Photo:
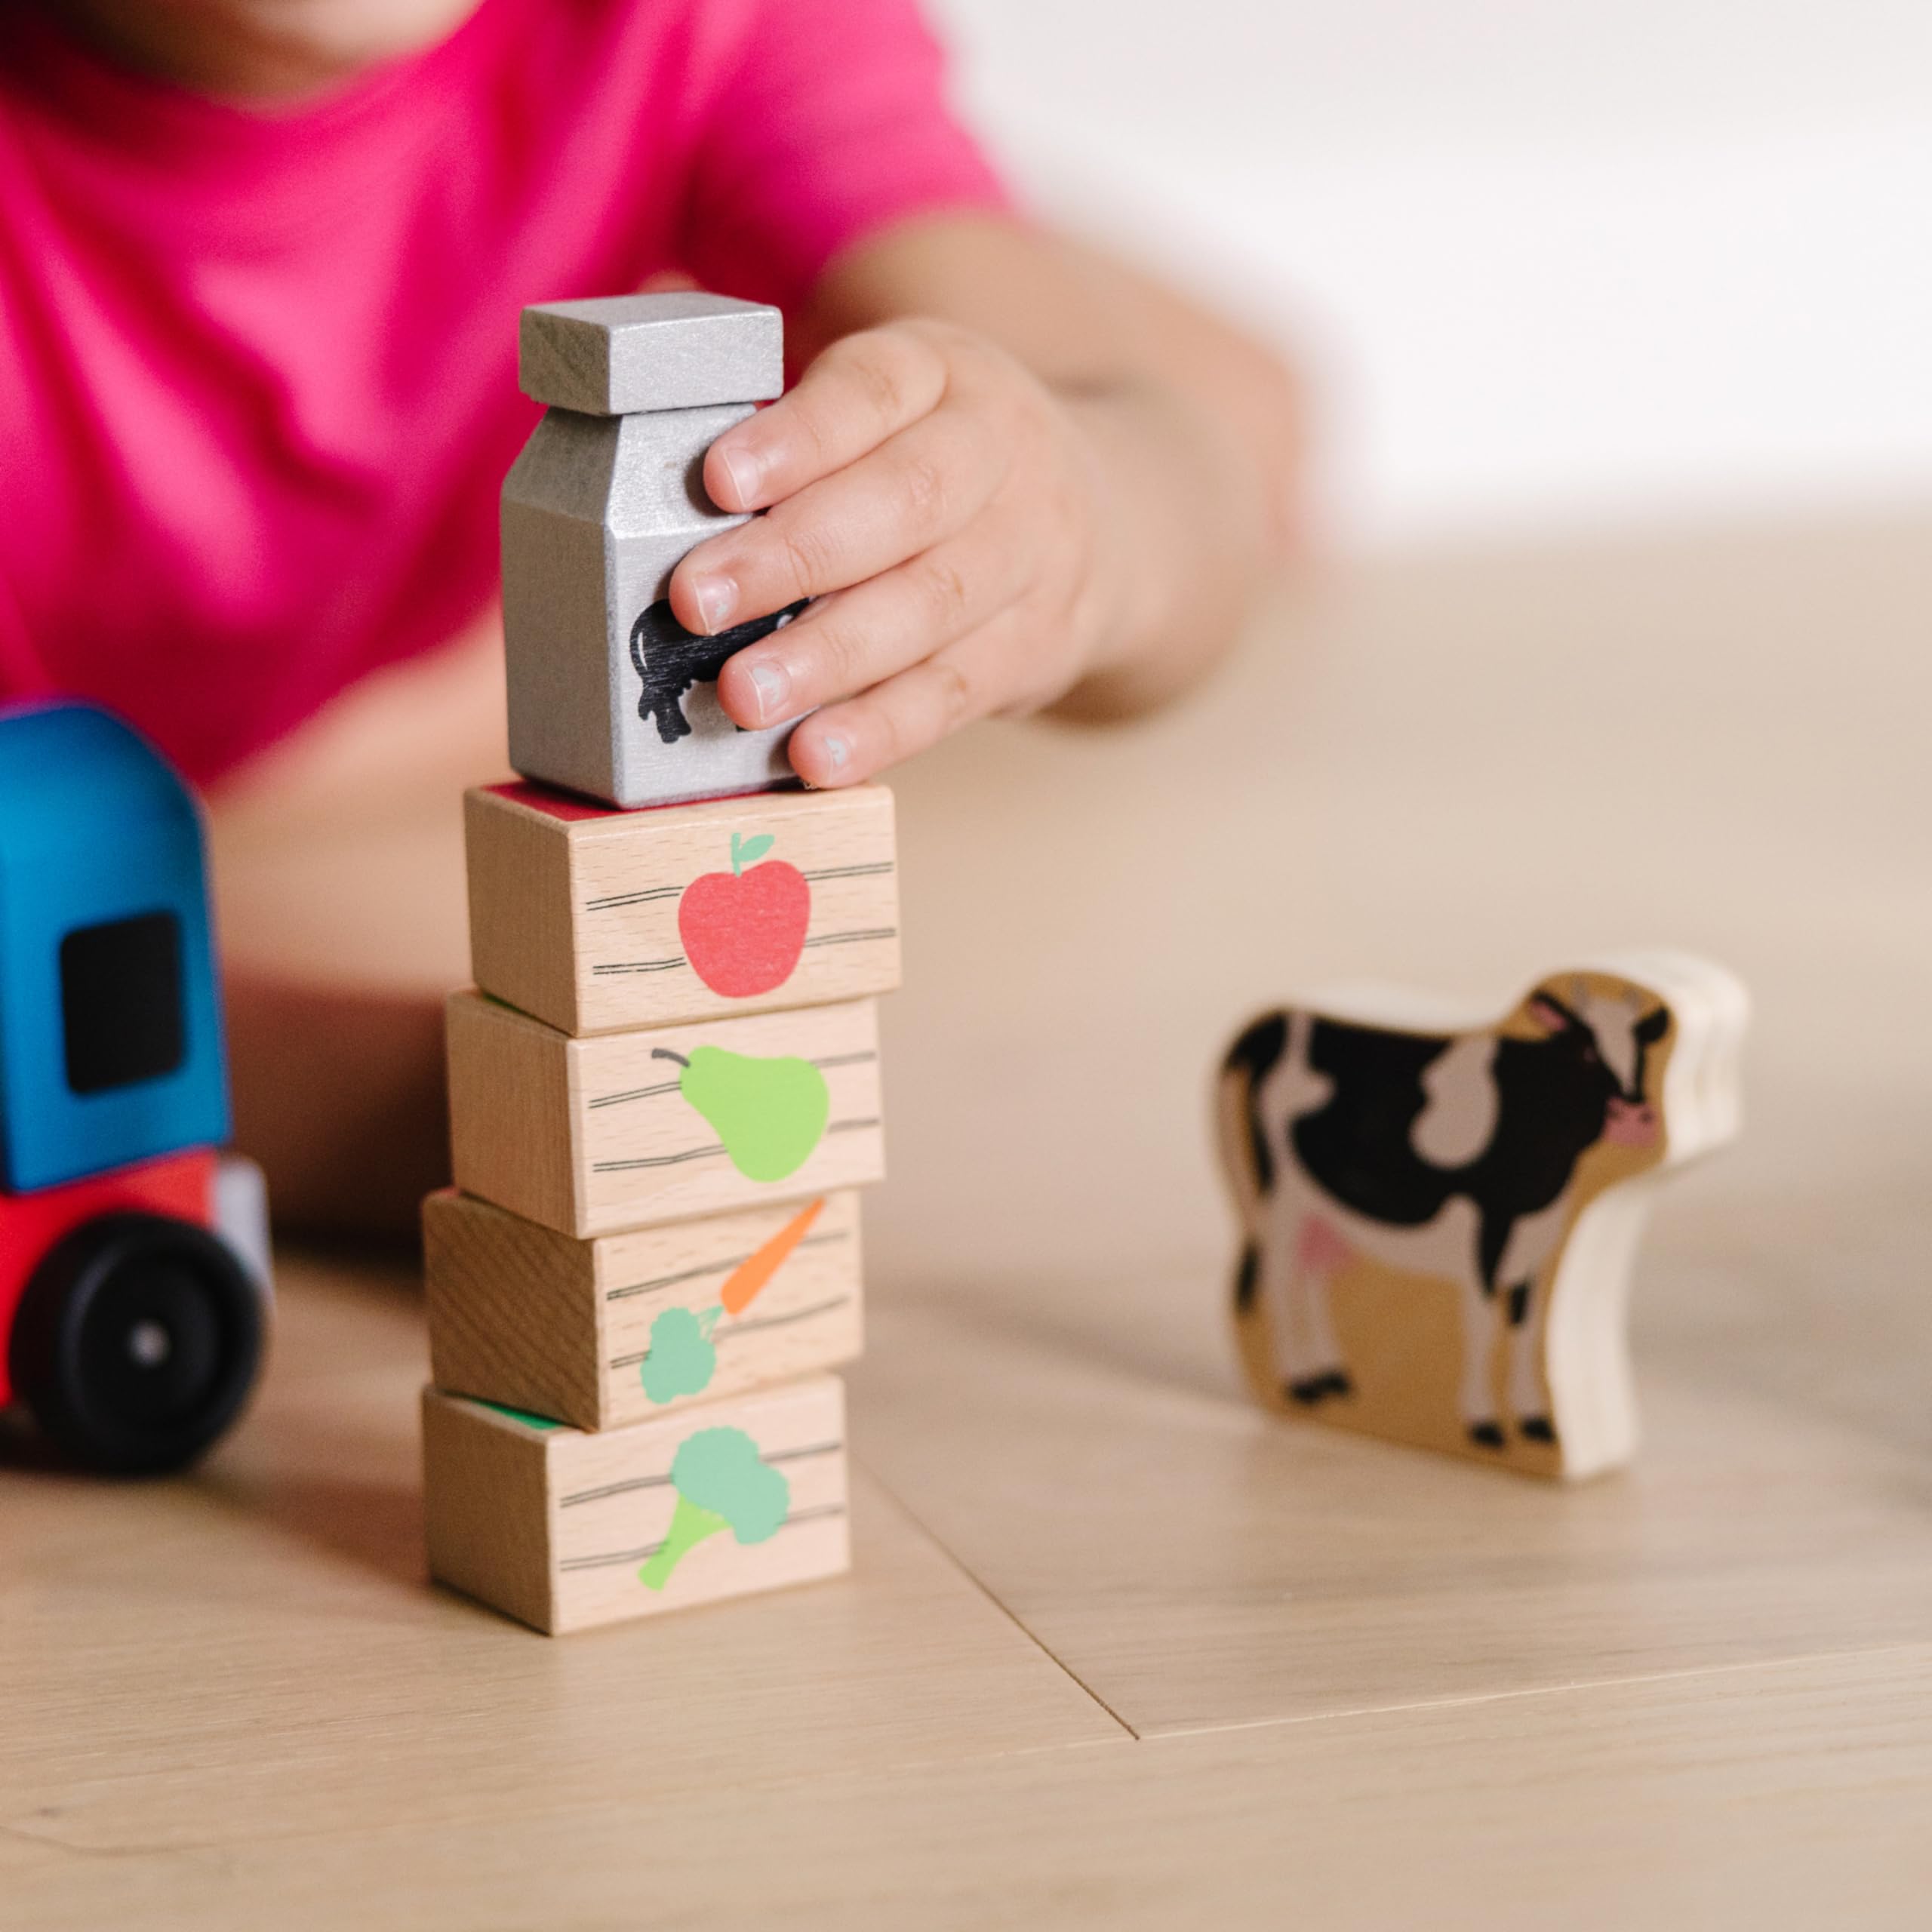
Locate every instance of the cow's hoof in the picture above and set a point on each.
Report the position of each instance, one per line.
(1536, 1429)
(1486, 1435)
(1309, 1391)
(1337, 1382)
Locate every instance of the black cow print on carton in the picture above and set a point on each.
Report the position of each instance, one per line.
(669, 660)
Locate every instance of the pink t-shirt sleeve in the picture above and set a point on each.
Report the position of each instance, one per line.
(828, 125)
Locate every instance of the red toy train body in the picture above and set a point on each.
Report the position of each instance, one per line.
(133, 1258)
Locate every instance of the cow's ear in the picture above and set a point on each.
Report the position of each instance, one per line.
(1652, 1026)
(1550, 1013)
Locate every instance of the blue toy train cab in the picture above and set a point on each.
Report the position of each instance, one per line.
(133, 1257)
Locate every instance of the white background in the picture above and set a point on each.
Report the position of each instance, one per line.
(1553, 261)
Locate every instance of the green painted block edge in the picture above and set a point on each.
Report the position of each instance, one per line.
(529, 1421)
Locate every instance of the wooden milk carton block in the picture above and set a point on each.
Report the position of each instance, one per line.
(604, 1333)
(565, 1529)
(618, 1130)
(591, 920)
(608, 694)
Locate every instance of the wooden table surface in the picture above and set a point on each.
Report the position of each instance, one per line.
(1118, 1650)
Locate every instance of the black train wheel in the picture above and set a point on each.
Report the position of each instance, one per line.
(136, 1342)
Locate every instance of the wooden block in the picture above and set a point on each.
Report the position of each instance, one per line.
(608, 694)
(1440, 1221)
(590, 919)
(606, 1333)
(613, 355)
(565, 1529)
(621, 1130)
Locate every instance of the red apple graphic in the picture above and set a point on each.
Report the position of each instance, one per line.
(743, 930)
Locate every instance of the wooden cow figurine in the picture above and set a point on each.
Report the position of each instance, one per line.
(1439, 1220)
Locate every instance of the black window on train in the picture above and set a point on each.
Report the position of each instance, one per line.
(121, 1005)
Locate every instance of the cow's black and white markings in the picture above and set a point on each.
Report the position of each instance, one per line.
(669, 660)
(1446, 1155)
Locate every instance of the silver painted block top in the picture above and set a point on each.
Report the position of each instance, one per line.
(620, 354)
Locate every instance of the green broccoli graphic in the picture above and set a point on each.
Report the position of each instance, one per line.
(721, 1484)
(682, 1360)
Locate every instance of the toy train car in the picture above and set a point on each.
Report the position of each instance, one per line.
(133, 1257)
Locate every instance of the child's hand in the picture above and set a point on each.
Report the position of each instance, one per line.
(954, 518)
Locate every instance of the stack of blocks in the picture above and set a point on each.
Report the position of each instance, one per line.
(664, 1087)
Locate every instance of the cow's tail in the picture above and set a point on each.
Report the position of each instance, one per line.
(1246, 1157)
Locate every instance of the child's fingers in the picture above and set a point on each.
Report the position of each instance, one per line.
(863, 389)
(909, 713)
(855, 638)
(921, 487)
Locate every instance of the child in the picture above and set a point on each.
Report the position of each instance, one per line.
(260, 262)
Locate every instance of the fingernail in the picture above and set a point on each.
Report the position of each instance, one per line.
(774, 687)
(836, 750)
(717, 597)
(745, 471)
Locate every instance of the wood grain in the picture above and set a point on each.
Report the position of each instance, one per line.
(550, 1524)
(1292, 1571)
(521, 1314)
(592, 1136)
(254, 1652)
(576, 916)
(1695, 1695)
(1779, 1799)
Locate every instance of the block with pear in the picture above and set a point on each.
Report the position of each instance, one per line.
(591, 1135)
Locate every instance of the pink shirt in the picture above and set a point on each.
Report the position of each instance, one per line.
(257, 373)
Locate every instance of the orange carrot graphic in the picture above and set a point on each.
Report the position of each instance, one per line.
(749, 1276)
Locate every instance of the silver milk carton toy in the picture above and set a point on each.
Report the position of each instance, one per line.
(609, 694)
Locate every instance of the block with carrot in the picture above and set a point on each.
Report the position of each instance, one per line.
(604, 1333)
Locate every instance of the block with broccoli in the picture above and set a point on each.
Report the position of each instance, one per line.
(722, 1483)
(567, 1528)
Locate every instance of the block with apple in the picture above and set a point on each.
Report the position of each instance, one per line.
(594, 921)
(743, 931)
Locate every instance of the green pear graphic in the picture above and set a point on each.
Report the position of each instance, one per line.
(769, 1113)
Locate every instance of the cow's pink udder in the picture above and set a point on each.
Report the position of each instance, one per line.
(1631, 1124)
(1320, 1250)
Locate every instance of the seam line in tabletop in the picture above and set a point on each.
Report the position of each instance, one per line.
(1575, 1687)
(1060, 1663)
